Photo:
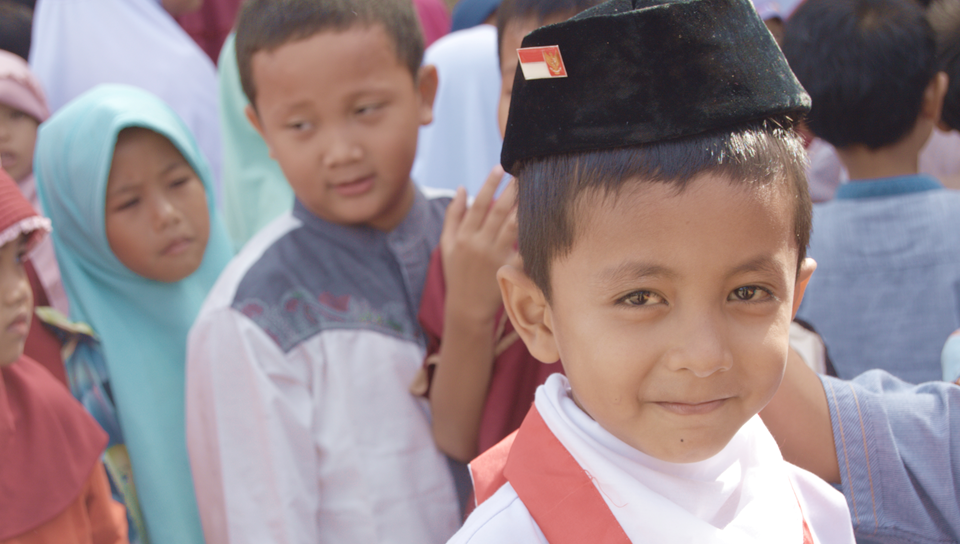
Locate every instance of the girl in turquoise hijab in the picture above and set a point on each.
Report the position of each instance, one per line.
(140, 244)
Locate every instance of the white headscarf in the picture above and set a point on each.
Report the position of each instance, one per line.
(78, 45)
(463, 142)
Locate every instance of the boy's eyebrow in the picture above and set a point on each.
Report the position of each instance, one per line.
(764, 263)
(632, 270)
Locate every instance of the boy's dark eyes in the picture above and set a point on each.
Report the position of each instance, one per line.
(641, 298)
(300, 125)
(179, 182)
(750, 293)
(367, 109)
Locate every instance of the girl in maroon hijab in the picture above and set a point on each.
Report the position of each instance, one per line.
(53, 487)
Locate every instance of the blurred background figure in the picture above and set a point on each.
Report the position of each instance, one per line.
(434, 19)
(210, 25)
(16, 21)
(78, 45)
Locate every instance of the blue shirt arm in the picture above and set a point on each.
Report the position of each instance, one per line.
(898, 447)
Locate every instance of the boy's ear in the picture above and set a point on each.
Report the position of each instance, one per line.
(803, 278)
(255, 121)
(933, 97)
(529, 313)
(427, 82)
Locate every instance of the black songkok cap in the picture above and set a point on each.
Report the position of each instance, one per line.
(630, 72)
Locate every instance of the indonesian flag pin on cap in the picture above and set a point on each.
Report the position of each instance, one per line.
(541, 62)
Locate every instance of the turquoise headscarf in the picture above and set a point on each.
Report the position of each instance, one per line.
(255, 192)
(142, 323)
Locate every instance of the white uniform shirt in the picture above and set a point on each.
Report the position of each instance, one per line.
(300, 425)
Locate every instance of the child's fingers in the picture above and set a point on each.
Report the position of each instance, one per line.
(501, 210)
(478, 211)
(454, 214)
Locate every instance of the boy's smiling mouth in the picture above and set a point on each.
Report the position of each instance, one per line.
(688, 409)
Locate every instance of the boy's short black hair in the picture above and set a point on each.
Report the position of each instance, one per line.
(551, 187)
(539, 10)
(264, 25)
(865, 64)
(944, 16)
(16, 21)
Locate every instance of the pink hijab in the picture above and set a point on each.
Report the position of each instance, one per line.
(20, 89)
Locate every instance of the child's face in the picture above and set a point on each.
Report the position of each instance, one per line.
(671, 313)
(18, 136)
(340, 113)
(16, 301)
(157, 220)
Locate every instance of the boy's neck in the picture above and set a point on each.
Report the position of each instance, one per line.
(900, 158)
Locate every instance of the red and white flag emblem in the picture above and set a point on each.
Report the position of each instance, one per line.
(541, 62)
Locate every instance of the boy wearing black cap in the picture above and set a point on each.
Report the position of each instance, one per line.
(663, 216)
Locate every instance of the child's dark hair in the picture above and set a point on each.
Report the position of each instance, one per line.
(550, 188)
(264, 25)
(944, 16)
(539, 10)
(16, 21)
(865, 64)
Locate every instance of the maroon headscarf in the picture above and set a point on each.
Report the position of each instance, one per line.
(48, 443)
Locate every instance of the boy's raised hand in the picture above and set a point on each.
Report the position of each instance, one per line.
(476, 241)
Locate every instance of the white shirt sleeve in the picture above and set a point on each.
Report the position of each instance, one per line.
(249, 434)
(501, 518)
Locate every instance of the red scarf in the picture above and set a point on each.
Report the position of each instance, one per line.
(559, 494)
(49, 445)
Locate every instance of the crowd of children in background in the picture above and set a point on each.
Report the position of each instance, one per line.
(264, 279)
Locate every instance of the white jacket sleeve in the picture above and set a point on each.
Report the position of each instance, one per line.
(249, 434)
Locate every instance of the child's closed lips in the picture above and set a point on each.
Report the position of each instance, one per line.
(178, 245)
(8, 158)
(20, 324)
(354, 186)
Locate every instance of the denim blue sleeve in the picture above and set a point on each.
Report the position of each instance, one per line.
(898, 446)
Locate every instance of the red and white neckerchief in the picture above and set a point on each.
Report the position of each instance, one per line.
(557, 492)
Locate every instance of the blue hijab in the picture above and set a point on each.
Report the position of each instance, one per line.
(142, 323)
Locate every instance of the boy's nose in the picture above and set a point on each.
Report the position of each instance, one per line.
(700, 347)
(341, 150)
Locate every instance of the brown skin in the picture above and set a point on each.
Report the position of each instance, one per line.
(343, 126)
(18, 136)
(799, 418)
(671, 312)
(16, 301)
(475, 243)
(156, 214)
